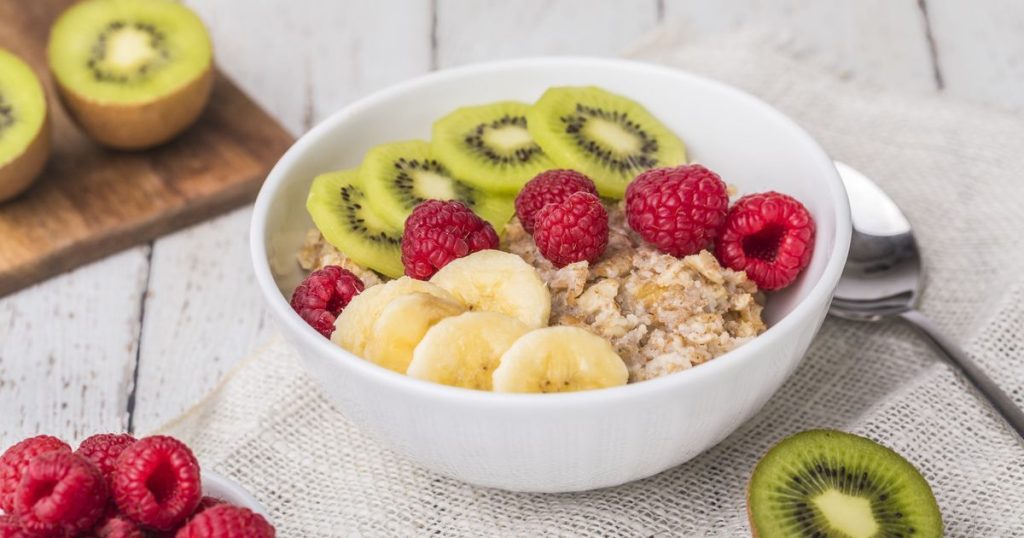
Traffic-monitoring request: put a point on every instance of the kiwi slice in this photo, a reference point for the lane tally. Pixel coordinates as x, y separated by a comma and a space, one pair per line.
826, 483
606, 136
24, 126
489, 147
338, 206
133, 73
401, 175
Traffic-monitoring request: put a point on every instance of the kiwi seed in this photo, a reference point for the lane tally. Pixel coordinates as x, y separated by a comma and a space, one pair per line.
401, 175
6, 115
405, 182
24, 126
521, 154
830, 484
97, 58
351, 210
606, 136
337, 204
644, 157
132, 73
489, 147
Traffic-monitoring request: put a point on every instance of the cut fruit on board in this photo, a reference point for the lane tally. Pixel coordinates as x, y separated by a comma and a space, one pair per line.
90, 202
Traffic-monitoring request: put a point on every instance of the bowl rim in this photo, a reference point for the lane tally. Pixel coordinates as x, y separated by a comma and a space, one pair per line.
237, 493
774, 335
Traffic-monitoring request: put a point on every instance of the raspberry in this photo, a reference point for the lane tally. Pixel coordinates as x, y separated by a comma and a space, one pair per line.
573, 230
14, 461
206, 503
103, 449
438, 232
156, 482
119, 527
768, 235
323, 295
227, 521
680, 210
10, 528
549, 187
60, 494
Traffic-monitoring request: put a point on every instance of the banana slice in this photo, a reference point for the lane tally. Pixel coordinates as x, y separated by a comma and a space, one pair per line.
354, 327
496, 281
559, 359
464, 350
402, 324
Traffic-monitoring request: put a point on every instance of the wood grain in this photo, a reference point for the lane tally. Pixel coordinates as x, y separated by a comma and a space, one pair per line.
68, 348
203, 312
878, 41
91, 201
496, 29
70, 374
980, 49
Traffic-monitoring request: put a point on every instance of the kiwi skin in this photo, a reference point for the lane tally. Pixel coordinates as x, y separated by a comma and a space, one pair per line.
20, 173
923, 489
142, 125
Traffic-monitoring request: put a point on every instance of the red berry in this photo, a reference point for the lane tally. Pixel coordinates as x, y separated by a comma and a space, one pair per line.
438, 232
573, 230
103, 449
10, 528
768, 235
227, 521
156, 482
60, 494
119, 527
206, 503
679, 210
14, 461
323, 295
549, 187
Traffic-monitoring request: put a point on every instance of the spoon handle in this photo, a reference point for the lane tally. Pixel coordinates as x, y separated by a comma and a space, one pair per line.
999, 399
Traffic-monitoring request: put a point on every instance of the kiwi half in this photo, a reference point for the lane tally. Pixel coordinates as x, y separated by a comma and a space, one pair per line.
24, 126
606, 136
338, 206
489, 147
401, 175
831, 484
133, 73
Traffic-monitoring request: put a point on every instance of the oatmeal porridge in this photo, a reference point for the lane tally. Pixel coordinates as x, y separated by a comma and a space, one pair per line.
662, 314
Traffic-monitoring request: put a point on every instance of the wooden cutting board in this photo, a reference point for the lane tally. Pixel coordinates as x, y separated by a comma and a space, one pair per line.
91, 202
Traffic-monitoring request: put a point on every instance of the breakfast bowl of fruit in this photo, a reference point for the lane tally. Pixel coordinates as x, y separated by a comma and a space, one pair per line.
551, 274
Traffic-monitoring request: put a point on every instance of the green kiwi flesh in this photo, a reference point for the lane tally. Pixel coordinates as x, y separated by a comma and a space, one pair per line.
338, 206
831, 484
608, 137
127, 52
399, 176
22, 107
489, 147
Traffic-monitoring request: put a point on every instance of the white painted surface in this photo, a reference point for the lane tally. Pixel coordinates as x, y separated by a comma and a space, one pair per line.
70, 347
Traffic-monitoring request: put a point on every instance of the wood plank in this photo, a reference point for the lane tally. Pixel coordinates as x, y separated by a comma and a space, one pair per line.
90, 201
68, 349
980, 49
321, 56
879, 41
203, 311
494, 29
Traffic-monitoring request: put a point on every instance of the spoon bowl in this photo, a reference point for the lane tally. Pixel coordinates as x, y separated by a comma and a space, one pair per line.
882, 279
882, 276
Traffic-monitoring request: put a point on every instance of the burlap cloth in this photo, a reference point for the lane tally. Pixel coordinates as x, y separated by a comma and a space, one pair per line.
957, 170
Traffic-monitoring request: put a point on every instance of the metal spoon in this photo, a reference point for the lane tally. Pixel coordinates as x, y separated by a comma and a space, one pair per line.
882, 279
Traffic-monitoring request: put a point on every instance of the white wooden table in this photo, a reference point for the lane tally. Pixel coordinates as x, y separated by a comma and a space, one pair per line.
131, 341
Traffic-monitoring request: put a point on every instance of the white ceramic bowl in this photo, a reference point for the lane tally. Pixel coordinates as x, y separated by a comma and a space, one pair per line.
573, 441
222, 487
